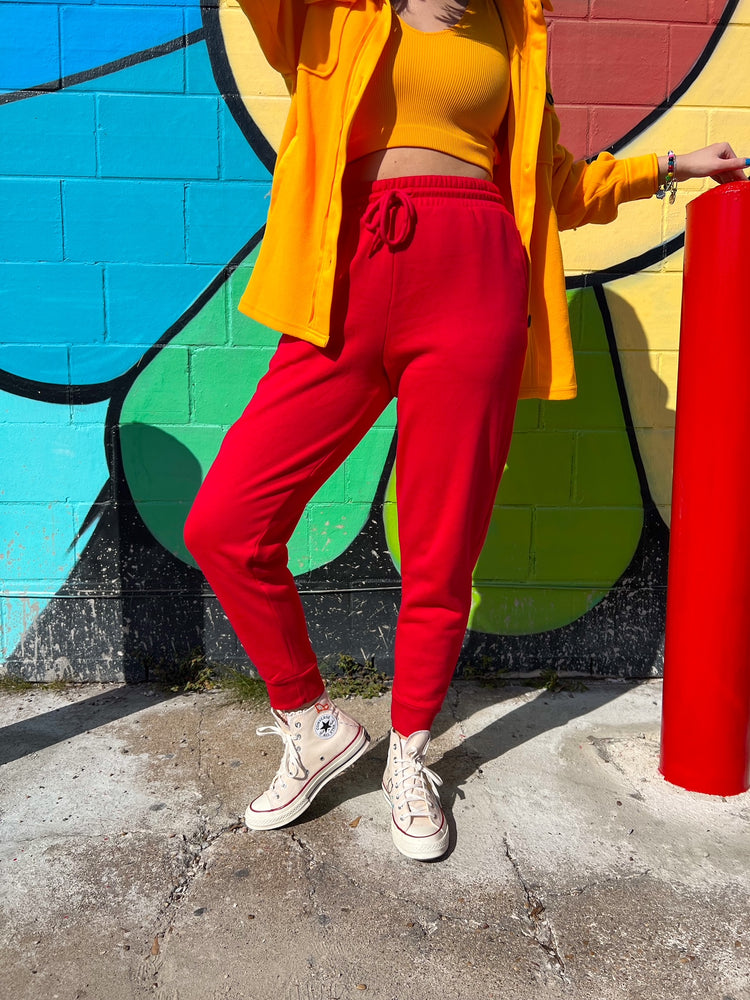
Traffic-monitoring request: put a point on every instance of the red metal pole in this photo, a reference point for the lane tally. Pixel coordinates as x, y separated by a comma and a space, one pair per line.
706, 712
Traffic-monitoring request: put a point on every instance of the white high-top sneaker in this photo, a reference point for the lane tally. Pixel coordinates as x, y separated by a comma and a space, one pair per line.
418, 825
319, 743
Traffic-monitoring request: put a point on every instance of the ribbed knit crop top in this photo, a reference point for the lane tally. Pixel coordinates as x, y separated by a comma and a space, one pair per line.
444, 90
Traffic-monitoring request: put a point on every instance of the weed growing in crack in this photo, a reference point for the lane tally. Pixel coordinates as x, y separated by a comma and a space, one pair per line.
189, 672
346, 677
550, 680
485, 673
193, 673
242, 687
13, 684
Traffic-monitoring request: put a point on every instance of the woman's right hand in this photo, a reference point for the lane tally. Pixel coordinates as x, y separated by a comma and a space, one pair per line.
718, 161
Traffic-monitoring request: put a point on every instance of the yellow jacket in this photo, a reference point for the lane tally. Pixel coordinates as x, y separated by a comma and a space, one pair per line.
327, 50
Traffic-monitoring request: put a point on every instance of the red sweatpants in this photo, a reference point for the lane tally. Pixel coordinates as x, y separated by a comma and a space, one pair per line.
430, 307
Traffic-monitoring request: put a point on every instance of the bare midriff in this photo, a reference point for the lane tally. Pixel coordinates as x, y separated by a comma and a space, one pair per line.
411, 161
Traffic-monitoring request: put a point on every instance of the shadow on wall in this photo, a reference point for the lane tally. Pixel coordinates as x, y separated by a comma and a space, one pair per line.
129, 603
650, 397
132, 600
623, 634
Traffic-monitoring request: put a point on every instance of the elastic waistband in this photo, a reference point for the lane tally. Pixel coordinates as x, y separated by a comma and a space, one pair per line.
423, 186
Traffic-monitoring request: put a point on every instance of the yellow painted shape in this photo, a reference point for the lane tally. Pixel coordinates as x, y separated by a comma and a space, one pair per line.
261, 88
645, 312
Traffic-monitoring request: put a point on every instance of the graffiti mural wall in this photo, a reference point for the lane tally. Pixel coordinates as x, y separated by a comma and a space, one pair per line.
139, 145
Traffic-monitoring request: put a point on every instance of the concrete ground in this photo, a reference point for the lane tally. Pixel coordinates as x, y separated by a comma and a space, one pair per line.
574, 870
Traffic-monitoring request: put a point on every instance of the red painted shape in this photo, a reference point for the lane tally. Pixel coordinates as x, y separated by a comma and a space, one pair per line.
600, 55
572, 8
600, 59
576, 126
715, 9
647, 10
611, 121
685, 40
706, 710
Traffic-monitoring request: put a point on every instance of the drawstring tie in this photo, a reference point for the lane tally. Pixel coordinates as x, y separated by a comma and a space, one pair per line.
390, 226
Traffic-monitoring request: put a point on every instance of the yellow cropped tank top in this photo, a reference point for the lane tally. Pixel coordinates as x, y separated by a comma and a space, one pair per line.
412, 100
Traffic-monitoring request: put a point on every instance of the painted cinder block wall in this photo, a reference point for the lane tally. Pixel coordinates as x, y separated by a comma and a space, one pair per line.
134, 177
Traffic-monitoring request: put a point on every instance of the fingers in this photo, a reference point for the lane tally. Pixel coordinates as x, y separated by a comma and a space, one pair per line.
731, 170
718, 161
729, 167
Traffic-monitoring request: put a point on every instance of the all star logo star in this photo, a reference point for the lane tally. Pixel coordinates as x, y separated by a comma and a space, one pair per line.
326, 725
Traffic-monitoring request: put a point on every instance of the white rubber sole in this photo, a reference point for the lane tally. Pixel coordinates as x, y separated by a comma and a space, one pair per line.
418, 848
273, 820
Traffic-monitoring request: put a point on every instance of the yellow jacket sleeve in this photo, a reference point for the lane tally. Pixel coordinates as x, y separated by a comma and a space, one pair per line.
592, 192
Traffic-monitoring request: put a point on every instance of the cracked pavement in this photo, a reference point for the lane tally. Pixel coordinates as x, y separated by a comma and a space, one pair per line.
574, 869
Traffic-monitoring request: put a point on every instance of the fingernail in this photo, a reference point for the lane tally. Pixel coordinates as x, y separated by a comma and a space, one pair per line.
747, 162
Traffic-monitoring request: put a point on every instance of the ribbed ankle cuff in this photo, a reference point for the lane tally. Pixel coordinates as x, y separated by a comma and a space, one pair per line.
292, 694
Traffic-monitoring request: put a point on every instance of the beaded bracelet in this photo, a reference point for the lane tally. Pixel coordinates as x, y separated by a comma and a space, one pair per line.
670, 182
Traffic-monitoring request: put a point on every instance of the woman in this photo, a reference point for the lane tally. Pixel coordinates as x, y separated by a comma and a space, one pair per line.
411, 250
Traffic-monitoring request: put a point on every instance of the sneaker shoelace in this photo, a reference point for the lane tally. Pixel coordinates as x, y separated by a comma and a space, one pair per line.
291, 763
417, 785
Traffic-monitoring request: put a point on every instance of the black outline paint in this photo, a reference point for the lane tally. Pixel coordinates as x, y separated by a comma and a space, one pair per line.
105, 69
227, 86
633, 265
97, 392
697, 68
627, 415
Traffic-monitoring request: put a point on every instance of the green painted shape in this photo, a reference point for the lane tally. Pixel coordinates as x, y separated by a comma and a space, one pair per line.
569, 514
180, 406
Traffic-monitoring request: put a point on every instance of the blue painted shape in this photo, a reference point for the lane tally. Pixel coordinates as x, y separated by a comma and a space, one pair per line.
158, 136
88, 366
48, 363
33, 549
49, 135
29, 45
124, 220
52, 304
216, 214
238, 161
199, 73
51, 463
30, 219
100, 34
138, 312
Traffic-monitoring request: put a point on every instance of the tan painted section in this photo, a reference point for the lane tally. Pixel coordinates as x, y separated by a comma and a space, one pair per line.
262, 89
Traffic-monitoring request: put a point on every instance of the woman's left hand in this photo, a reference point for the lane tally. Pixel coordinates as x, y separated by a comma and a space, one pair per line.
718, 161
